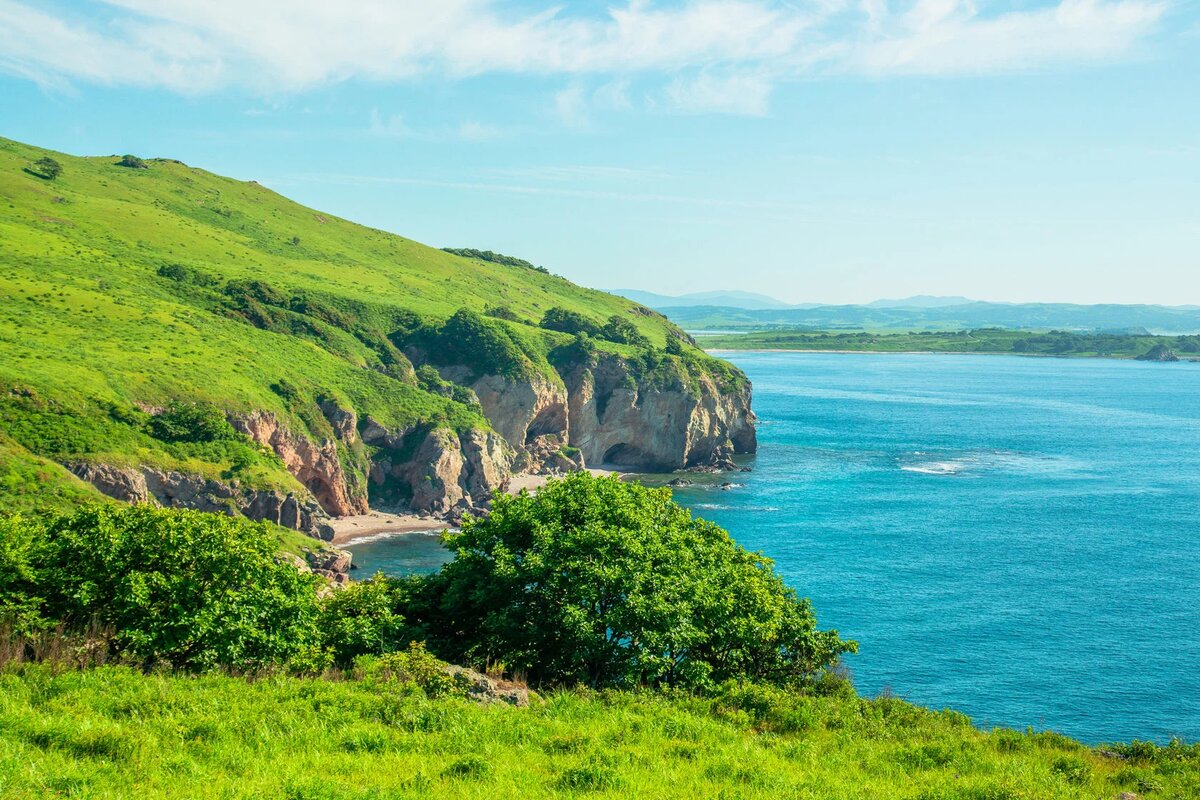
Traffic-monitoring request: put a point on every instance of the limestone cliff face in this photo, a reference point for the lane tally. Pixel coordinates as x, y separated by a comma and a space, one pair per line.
604, 415
617, 420
315, 464
178, 490
438, 471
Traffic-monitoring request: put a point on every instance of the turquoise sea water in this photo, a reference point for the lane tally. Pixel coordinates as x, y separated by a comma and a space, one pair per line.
1015, 538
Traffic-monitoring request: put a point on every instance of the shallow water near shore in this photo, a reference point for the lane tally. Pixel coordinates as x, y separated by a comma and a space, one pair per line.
1018, 539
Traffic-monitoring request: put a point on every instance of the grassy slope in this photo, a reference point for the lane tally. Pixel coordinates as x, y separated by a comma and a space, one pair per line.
976, 341
86, 321
113, 732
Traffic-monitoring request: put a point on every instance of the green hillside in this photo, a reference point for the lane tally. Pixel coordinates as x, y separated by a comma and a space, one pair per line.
126, 288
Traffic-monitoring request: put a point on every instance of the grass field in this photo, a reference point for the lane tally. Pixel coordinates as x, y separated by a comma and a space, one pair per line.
116, 733
987, 340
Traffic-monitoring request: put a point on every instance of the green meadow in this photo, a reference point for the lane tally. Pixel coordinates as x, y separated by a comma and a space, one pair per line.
114, 733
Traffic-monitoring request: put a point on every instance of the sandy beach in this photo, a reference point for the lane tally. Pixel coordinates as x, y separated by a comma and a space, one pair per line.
347, 529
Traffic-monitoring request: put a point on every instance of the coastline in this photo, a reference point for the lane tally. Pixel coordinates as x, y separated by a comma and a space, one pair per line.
719, 350
347, 530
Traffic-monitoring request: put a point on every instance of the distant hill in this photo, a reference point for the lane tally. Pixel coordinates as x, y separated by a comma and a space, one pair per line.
1029, 316
729, 299
922, 301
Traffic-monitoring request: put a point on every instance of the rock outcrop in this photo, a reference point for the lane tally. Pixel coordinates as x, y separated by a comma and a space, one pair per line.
178, 490
438, 471
485, 689
317, 465
619, 421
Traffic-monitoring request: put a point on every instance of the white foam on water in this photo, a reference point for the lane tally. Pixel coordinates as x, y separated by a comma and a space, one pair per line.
383, 535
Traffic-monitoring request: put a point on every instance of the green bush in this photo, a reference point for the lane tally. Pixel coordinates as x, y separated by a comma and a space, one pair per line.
132, 162
191, 422
415, 666
361, 620
187, 589
611, 584
622, 331
20, 605
560, 319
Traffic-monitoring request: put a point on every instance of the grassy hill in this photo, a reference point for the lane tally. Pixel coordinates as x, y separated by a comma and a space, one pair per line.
126, 288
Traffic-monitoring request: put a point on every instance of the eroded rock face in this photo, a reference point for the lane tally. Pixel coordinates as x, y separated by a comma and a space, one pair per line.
445, 473
316, 465
178, 490
523, 410
615, 421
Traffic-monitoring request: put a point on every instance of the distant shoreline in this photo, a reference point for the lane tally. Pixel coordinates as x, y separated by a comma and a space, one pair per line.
1072, 356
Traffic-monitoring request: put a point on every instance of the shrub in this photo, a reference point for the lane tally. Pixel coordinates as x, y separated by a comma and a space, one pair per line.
611, 584
560, 319
622, 331
469, 340
360, 620
501, 312
184, 588
1072, 769
191, 422
20, 605
132, 162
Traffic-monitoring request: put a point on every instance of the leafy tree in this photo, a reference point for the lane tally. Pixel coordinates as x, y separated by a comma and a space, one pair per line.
47, 168
612, 584
485, 346
183, 588
132, 162
560, 319
674, 346
622, 331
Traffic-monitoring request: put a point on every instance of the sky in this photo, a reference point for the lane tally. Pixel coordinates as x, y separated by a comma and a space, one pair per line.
831, 151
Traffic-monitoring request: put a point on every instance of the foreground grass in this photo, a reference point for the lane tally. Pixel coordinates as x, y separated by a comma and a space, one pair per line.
989, 340
113, 732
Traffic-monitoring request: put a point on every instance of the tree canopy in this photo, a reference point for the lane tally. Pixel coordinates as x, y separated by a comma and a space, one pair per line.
612, 584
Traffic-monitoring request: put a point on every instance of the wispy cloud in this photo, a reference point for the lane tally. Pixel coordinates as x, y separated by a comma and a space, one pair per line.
708, 55
710, 94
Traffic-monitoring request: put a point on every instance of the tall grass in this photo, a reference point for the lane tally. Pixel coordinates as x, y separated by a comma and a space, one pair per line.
115, 732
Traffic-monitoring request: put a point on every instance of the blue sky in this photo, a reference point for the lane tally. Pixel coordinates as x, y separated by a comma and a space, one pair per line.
814, 150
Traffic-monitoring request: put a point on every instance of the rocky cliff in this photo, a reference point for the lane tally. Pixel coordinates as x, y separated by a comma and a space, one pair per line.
173, 489
598, 410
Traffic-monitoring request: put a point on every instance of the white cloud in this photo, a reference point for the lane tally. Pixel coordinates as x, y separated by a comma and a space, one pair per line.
393, 125
473, 131
952, 37
709, 94
273, 47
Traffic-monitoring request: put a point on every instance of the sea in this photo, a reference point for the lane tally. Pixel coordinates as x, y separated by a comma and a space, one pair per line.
1014, 538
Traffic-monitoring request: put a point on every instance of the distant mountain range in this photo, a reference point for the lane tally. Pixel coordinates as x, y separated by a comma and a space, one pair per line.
730, 299
748, 311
